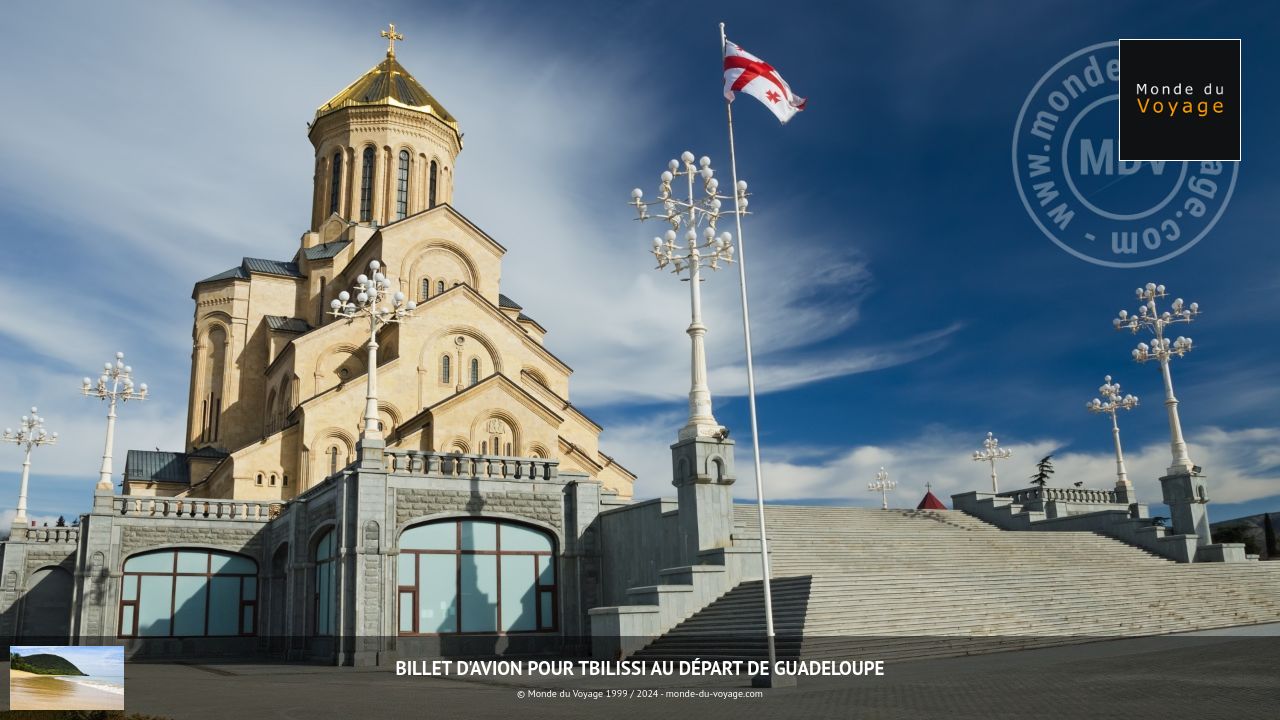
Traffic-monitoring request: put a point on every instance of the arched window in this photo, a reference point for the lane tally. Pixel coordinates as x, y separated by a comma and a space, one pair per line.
475, 371
215, 361
259, 479
402, 186
284, 481
273, 479
426, 290
444, 369
333, 459
188, 593
323, 559
484, 447
431, 185
336, 182
476, 576
439, 286
508, 452
366, 186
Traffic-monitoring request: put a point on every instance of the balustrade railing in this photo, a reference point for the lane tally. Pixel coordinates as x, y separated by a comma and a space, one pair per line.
1071, 495
69, 535
204, 509
485, 467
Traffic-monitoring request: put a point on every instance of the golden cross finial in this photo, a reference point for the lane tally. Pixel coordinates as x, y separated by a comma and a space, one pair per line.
392, 36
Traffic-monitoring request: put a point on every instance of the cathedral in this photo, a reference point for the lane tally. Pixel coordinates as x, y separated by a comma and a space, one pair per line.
277, 383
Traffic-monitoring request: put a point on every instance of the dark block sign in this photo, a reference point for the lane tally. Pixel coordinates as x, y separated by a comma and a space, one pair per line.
1179, 100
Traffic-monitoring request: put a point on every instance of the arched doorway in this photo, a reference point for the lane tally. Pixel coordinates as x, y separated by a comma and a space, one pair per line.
46, 606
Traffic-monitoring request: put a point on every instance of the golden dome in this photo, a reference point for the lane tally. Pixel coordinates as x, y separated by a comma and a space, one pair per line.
388, 83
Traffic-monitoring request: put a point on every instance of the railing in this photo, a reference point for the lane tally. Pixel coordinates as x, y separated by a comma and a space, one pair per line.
1071, 495
485, 467
51, 534
162, 507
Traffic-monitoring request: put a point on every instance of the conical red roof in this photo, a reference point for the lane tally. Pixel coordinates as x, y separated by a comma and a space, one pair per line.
931, 502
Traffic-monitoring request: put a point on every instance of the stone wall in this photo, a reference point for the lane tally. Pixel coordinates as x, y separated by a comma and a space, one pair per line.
542, 506
141, 536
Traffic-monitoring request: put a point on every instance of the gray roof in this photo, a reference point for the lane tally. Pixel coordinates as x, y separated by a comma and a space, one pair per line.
271, 267
287, 324
156, 466
208, 451
235, 273
506, 302
324, 251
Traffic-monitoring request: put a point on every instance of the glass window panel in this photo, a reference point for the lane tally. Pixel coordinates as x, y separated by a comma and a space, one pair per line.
324, 590
126, 620
548, 611
150, 562
246, 624
250, 588
224, 605
154, 600
324, 548
521, 538
436, 536
479, 535
406, 612
519, 603
130, 587
189, 597
193, 562
546, 570
479, 590
438, 593
404, 569
234, 564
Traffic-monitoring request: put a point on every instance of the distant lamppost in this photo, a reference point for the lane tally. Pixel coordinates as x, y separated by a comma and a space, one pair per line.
1111, 403
30, 433
991, 452
115, 383
371, 292
883, 485
702, 247
1160, 349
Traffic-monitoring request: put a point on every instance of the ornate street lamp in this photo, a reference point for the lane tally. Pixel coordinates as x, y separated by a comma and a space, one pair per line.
371, 294
991, 452
1160, 349
1111, 402
883, 485
697, 214
30, 433
115, 383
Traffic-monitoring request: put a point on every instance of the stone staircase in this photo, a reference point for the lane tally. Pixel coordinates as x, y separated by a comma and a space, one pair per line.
867, 583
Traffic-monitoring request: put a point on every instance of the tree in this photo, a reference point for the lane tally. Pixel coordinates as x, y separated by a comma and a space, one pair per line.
1044, 469
1269, 533
62, 522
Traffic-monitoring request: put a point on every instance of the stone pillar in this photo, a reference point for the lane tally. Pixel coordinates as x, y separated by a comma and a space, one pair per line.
1187, 495
703, 474
371, 597
97, 576
580, 557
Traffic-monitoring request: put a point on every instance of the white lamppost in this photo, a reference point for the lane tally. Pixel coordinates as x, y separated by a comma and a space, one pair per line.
1160, 349
702, 247
1111, 402
30, 433
991, 452
115, 383
883, 485
371, 293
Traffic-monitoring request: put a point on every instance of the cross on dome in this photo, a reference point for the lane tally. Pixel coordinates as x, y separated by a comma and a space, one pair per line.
392, 36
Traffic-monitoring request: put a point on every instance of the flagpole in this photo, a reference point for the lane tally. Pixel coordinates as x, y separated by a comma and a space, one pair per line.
751, 388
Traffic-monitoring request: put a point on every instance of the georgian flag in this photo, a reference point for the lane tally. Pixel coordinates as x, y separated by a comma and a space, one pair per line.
744, 72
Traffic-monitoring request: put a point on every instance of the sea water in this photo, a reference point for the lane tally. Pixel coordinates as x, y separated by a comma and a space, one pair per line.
108, 683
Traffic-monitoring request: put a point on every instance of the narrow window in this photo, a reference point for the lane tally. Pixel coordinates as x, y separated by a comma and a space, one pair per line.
439, 286
509, 454
431, 186
426, 290
484, 447
335, 182
475, 371
444, 369
402, 186
259, 478
333, 459
366, 186
284, 481
273, 479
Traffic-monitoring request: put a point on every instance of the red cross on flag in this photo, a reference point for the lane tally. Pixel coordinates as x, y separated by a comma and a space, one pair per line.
744, 72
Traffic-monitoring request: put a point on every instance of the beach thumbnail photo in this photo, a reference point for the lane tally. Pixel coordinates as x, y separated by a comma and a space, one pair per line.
56, 677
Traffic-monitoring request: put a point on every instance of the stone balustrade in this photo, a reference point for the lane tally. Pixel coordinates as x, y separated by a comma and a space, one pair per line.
204, 509
484, 467
1084, 496
69, 535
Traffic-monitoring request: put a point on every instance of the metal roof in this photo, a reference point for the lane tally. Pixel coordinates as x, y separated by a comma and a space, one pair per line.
506, 302
388, 83
235, 273
156, 466
271, 267
324, 251
287, 324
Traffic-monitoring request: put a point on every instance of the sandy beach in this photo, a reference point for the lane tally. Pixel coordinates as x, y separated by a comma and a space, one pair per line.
28, 691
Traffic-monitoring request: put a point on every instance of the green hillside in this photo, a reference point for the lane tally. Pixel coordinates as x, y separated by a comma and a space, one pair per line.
43, 664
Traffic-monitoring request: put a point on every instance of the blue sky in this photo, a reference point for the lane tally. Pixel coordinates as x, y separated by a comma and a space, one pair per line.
904, 302
108, 660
